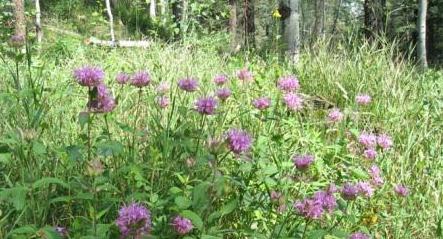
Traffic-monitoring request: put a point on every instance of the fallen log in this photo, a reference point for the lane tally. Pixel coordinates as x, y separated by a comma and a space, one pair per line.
118, 43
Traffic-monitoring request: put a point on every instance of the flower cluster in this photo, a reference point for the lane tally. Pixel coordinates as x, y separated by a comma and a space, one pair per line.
206, 105
293, 101
89, 76
363, 99
244, 75
262, 103
220, 79
302, 162
288, 84
223, 93
134, 221
182, 225
239, 141
188, 84
314, 207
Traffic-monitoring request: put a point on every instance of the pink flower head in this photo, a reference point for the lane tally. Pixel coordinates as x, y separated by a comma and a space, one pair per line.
335, 115
89, 76
370, 153
293, 101
262, 103
363, 99
375, 173
244, 75
239, 141
122, 78
223, 93
384, 141
182, 225
220, 79
358, 235
163, 101
302, 162
275, 196
188, 84
140, 79
367, 140
365, 189
349, 191
163, 88
206, 105
401, 190
134, 221
309, 208
104, 102
288, 84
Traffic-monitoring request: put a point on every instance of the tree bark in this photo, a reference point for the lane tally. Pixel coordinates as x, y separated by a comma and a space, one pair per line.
319, 19
249, 22
374, 18
292, 30
233, 25
111, 20
152, 9
38, 23
336, 16
421, 29
20, 20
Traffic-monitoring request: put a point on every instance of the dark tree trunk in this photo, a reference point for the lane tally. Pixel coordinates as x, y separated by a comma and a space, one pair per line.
233, 25
319, 19
249, 23
374, 18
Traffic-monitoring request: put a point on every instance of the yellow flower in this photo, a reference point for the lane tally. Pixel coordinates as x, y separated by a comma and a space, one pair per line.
276, 14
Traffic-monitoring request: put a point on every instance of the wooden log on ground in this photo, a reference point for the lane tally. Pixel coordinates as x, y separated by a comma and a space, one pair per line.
118, 43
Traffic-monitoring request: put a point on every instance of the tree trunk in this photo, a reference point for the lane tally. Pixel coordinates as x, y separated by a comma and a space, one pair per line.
233, 25
111, 20
249, 22
38, 23
336, 16
152, 8
292, 30
421, 29
20, 20
163, 5
374, 17
319, 19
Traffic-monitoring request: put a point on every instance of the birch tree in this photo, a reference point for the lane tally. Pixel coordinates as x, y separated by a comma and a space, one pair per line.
421, 29
111, 20
152, 9
291, 26
38, 24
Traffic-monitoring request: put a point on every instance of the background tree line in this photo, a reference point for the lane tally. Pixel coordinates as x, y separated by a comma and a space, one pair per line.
261, 25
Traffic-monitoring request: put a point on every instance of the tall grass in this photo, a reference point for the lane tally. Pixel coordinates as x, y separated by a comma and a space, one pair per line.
45, 180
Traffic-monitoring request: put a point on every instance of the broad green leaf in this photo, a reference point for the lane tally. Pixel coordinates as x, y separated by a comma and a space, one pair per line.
200, 199
15, 195
46, 181
38, 148
182, 202
83, 119
196, 220
317, 234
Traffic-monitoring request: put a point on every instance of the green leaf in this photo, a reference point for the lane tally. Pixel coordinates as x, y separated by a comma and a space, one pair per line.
38, 148
317, 234
74, 152
15, 195
5, 158
196, 220
182, 202
29, 230
49, 180
200, 199
210, 237
49, 233
83, 119
359, 173
110, 148
229, 207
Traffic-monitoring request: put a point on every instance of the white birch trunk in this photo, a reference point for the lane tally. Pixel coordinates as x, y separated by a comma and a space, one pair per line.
152, 8
38, 23
292, 30
111, 20
421, 29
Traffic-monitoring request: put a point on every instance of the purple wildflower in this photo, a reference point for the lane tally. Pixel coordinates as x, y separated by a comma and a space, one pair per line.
335, 115
89, 76
309, 208
288, 84
384, 141
368, 140
244, 75
223, 93
17, 41
293, 101
134, 220
220, 79
188, 84
122, 78
206, 105
358, 235
302, 162
275, 196
262, 103
376, 178
104, 101
140, 79
401, 190
182, 225
363, 99
62, 231
163, 101
349, 191
365, 189
370, 153
239, 141
327, 198
163, 88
